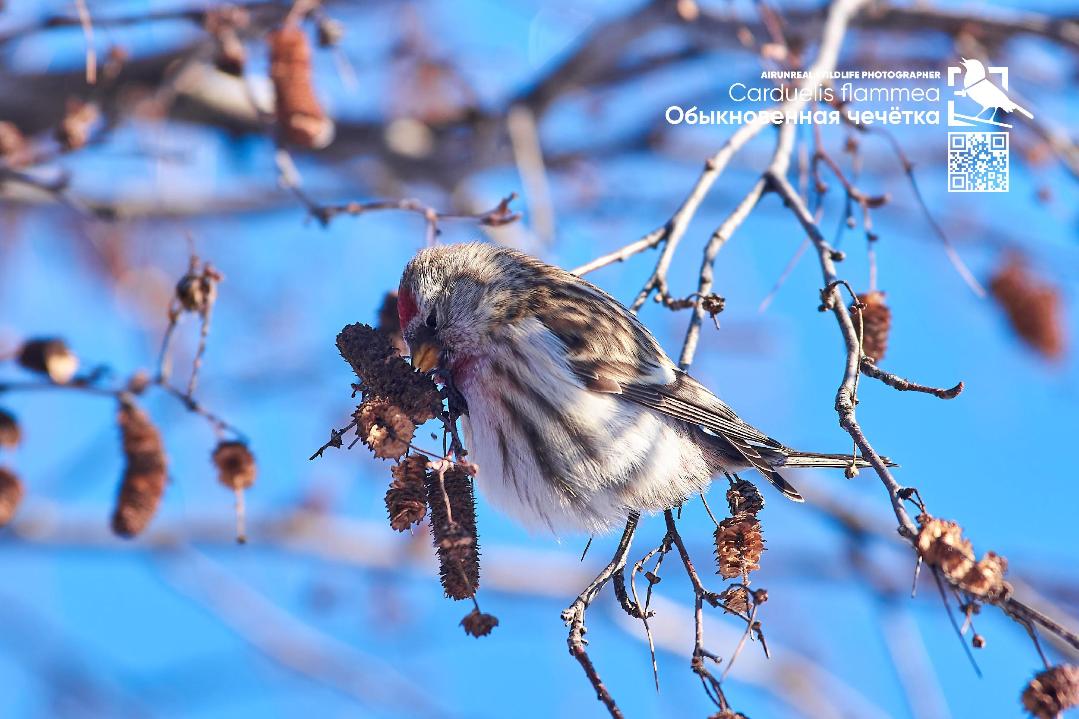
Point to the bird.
(574, 414)
(978, 87)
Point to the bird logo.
(978, 86)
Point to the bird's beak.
(425, 355)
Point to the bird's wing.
(611, 352)
(686, 399)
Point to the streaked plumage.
(576, 415)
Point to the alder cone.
(876, 324)
(456, 541)
(739, 545)
(406, 499)
(236, 468)
(1032, 306)
(1052, 691)
(144, 476)
(384, 373)
(299, 114)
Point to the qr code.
(977, 162)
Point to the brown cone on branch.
(406, 499)
(876, 323)
(1052, 692)
(299, 114)
(744, 498)
(144, 476)
(384, 427)
(11, 493)
(478, 624)
(383, 373)
(453, 529)
(1033, 307)
(739, 545)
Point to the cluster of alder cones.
(145, 472)
(395, 401)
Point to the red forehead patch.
(406, 307)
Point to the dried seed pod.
(744, 498)
(197, 289)
(941, 544)
(713, 304)
(299, 115)
(876, 323)
(986, 578)
(977, 641)
(738, 546)
(478, 624)
(1033, 307)
(236, 468)
(384, 373)
(383, 427)
(144, 475)
(453, 529)
(735, 599)
(1052, 691)
(49, 356)
(406, 499)
(728, 714)
(10, 432)
(74, 130)
(390, 323)
(11, 493)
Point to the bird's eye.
(432, 321)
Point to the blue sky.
(104, 627)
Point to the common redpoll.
(575, 415)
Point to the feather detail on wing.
(690, 401)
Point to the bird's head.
(448, 299)
(973, 66)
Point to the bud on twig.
(299, 114)
(11, 493)
(144, 476)
(49, 356)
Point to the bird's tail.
(792, 458)
(1022, 110)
